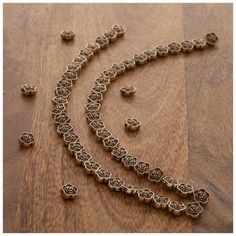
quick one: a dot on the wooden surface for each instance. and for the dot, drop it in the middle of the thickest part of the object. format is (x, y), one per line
(184, 103)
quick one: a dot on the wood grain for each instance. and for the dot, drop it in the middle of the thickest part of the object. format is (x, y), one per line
(184, 103)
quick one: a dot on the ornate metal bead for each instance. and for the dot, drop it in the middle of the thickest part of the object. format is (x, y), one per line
(111, 35)
(199, 43)
(67, 35)
(28, 90)
(116, 184)
(102, 80)
(102, 134)
(70, 137)
(70, 74)
(151, 54)
(193, 209)
(62, 92)
(95, 97)
(75, 147)
(127, 90)
(129, 161)
(26, 139)
(69, 191)
(76, 67)
(86, 53)
(92, 107)
(82, 157)
(102, 41)
(65, 83)
(175, 208)
(102, 176)
(129, 189)
(174, 48)
(119, 30)
(184, 190)
(58, 109)
(110, 143)
(187, 46)
(145, 195)
(211, 39)
(94, 47)
(160, 201)
(110, 73)
(119, 68)
(142, 168)
(82, 60)
(91, 167)
(140, 59)
(201, 195)
(118, 153)
(129, 64)
(155, 175)
(98, 88)
(64, 128)
(169, 182)
(132, 124)
(61, 118)
(162, 51)
(59, 100)
(96, 124)
(91, 116)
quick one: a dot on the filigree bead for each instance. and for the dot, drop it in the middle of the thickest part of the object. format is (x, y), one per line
(116, 184)
(175, 208)
(82, 157)
(129, 161)
(59, 100)
(199, 43)
(94, 47)
(127, 90)
(70, 137)
(65, 83)
(119, 30)
(62, 92)
(91, 116)
(201, 195)
(98, 88)
(102, 176)
(193, 209)
(28, 90)
(91, 167)
(76, 67)
(111, 35)
(129, 189)
(169, 182)
(110, 73)
(184, 190)
(102, 134)
(82, 60)
(102, 41)
(70, 74)
(142, 168)
(86, 53)
(162, 51)
(119, 68)
(92, 107)
(95, 97)
(132, 124)
(118, 153)
(64, 128)
(75, 147)
(57, 109)
(155, 175)
(151, 54)
(211, 39)
(129, 64)
(61, 118)
(26, 139)
(187, 46)
(67, 35)
(140, 59)
(96, 124)
(174, 48)
(102, 80)
(69, 191)
(145, 195)
(160, 201)
(110, 143)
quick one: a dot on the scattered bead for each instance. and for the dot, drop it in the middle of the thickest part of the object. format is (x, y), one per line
(26, 139)
(28, 90)
(69, 191)
(67, 35)
(132, 124)
(127, 90)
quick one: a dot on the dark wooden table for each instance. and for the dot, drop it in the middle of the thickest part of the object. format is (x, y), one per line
(184, 103)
